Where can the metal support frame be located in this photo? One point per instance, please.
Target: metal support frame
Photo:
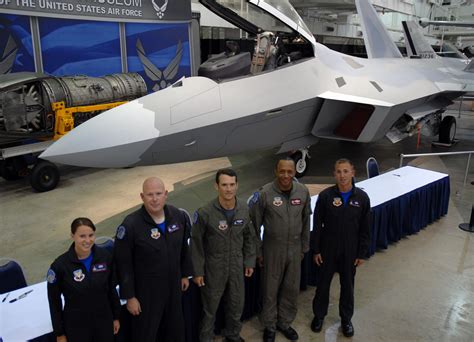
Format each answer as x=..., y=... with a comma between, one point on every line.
x=64, y=116
x=402, y=156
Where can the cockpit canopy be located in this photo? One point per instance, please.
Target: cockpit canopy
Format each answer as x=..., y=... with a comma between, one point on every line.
x=280, y=35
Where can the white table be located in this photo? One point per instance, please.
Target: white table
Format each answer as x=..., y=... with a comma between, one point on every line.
x=397, y=183
x=27, y=317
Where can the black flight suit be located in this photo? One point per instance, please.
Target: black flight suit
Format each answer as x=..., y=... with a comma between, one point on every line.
x=341, y=234
x=150, y=265
x=91, y=300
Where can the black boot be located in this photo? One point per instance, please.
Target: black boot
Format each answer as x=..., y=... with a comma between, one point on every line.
x=268, y=335
x=347, y=329
x=317, y=324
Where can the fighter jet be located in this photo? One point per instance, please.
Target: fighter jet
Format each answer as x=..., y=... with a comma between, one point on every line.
x=288, y=93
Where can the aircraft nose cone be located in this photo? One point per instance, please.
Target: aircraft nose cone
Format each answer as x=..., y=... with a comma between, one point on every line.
x=115, y=138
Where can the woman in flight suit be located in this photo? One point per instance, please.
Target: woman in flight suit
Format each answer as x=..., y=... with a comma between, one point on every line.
x=84, y=276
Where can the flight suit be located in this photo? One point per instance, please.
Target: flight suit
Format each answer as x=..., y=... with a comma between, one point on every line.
x=341, y=234
x=150, y=265
x=91, y=300
x=221, y=248
x=285, y=218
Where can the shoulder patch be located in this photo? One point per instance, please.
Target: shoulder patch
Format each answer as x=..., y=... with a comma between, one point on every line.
x=51, y=276
x=254, y=198
x=120, y=232
x=195, y=217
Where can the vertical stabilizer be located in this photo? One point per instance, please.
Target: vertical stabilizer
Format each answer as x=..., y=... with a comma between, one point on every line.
x=415, y=41
x=378, y=42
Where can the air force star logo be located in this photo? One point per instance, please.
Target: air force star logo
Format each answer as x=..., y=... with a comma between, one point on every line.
x=160, y=10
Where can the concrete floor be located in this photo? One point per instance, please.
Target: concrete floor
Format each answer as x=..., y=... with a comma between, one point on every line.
x=420, y=289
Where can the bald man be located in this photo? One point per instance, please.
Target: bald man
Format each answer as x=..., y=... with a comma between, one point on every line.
x=153, y=263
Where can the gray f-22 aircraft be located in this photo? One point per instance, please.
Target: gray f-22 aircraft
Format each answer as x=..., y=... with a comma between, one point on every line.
x=290, y=92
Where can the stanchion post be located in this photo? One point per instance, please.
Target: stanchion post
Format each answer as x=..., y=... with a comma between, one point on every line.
x=401, y=159
x=467, y=169
x=469, y=227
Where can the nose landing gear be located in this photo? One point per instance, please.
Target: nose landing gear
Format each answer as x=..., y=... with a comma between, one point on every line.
x=301, y=161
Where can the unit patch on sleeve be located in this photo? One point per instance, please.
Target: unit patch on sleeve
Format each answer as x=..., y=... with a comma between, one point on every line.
x=254, y=198
x=51, y=276
x=120, y=232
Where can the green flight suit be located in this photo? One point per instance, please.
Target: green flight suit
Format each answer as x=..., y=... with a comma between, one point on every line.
x=285, y=218
x=221, y=248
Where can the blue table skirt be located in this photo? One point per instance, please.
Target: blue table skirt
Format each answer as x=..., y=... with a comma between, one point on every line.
x=408, y=214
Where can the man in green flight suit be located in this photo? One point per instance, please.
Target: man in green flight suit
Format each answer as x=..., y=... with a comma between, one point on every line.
x=283, y=207
x=223, y=251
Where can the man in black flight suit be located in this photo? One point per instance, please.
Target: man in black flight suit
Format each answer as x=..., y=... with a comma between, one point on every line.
x=340, y=243
x=153, y=265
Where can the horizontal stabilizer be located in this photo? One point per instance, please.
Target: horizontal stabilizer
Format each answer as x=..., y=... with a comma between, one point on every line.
x=415, y=41
x=378, y=42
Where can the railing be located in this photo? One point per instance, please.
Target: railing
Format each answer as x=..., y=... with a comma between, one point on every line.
x=402, y=156
x=463, y=98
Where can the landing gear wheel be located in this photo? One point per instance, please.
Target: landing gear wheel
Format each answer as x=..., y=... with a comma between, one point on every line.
x=447, y=130
x=301, y=163
x=11, y=168
x=44, y=176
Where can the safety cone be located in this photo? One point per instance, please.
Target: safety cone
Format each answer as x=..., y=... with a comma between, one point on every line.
x=469, y=227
